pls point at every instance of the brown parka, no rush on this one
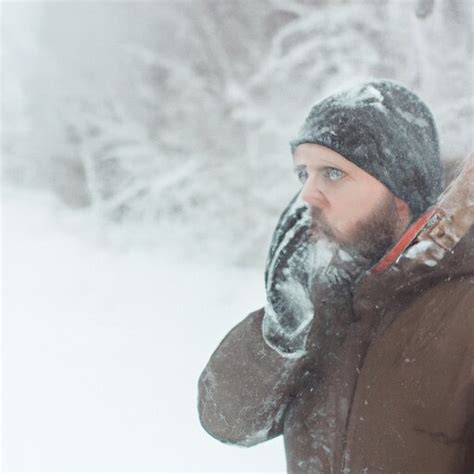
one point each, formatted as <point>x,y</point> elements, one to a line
<point>394,392</point>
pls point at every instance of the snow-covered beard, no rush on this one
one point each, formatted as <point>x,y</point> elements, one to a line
<point>370,239</point>
<point>308,260</point>
<point>299,271</point>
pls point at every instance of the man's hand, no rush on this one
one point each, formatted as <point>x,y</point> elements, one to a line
<point>307,283</point>
<point>289,309</point>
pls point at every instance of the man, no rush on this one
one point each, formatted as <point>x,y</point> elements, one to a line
<point>363,356</point>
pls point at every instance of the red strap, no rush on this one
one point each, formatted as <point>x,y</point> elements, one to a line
<point>407,238</point>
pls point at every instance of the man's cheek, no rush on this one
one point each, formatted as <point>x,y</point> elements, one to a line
<point>341,227</point>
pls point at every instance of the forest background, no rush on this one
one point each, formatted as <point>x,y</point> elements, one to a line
<point>145,161</point>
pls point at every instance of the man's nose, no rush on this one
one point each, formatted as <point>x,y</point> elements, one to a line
<point>312,195</point>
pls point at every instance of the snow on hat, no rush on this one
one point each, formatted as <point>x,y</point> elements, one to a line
<point>387,131</point>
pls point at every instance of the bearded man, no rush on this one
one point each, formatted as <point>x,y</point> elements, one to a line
<point>363,355</point>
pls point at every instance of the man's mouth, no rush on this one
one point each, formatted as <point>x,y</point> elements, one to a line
<point>315,231</point>
<point>319,227</point>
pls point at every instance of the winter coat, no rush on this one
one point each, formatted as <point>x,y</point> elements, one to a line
<point>394,392</point>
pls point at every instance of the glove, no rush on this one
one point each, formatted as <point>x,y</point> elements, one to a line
<point>300,274</point>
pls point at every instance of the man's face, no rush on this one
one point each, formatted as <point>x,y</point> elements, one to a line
<point>347,204</point>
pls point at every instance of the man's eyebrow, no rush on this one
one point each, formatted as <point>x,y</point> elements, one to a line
<point>324,165</point>
<point>331,163</point>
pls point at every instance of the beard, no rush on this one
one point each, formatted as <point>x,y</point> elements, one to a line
<point>370,239</point>
<point>312,269</point>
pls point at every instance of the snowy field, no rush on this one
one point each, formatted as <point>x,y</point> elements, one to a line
<point>102,349</point>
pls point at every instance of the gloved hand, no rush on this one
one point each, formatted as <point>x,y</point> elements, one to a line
<point>301,276</point>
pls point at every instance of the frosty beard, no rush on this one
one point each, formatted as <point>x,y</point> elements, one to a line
<point>310,261</point>
<point>371,238</point>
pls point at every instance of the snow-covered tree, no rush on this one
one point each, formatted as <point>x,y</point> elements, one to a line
<point>180,113</point>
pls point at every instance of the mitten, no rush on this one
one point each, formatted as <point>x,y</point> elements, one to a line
<point>299,273</point>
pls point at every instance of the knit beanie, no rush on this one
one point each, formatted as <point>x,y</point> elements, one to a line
<point>387,131</point>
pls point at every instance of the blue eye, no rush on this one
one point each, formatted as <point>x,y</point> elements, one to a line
<point>333,174</point>
<point>302,175</point>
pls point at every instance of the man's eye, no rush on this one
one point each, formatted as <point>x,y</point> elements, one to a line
<point>333,174</point>
<point>302,175</point>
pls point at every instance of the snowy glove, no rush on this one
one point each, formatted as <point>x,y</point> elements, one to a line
<point>299,272</point>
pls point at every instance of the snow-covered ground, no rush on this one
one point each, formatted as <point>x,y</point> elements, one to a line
<point>102,349</point>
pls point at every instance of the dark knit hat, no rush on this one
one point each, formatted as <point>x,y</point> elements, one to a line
<point>387,131</point>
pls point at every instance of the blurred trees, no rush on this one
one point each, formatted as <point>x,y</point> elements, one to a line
<point>179,112</point>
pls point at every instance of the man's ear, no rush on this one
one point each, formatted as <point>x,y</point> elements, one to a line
<point>403,211</point>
